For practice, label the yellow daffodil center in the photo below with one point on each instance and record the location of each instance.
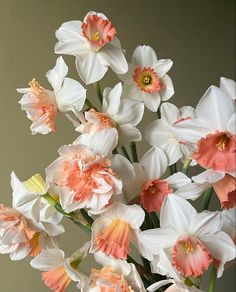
(222, 142)
(188, 247)
(147, 79)
(96, 37)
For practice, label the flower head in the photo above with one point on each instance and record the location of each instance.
(146, 78)
(94, 44)
(42, 105)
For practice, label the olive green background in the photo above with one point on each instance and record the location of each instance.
(197, 35)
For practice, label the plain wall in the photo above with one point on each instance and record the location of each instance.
(199, 36)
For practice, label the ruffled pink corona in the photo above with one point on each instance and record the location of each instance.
(147, 80)
(108, 281)
(44, 107)
(98, 31)
(226, 191)
(190, 256)
(217, 151)
(114, 240)
(56, 279)
(82, 182)
(153, 194)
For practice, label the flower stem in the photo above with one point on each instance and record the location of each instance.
(186, 166)
(88, 103)
(125, 153)
(99, 92)
(173, 168)
(86, 216)
(134, 151)
(212, 283)
(206, 199)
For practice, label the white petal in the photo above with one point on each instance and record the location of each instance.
(132, 91)
(91, 67)
(154, 163)
(176, 213)
(56, 75)
(152, 240)
(231, 125)
(128, 133)
(113, 99)
(192, 191)
(221, 247)
(144, 56)
(178, 180)
(167, 92)
(208, 176)
(130, 112)
(151, 100)
(48, 259)
(71, 97)
(19, 253)
(169, 113)
(112, 55)
(221, 105)
(162, 67)
(205, 223)
(128, 76)
(228, 85)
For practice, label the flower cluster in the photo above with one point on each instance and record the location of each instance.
(126, 203)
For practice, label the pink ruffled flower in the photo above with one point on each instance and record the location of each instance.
(83, 172)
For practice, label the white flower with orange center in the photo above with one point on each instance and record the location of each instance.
(122, 114)
(161, 133)
(83, 172)
(114, 230)
(94, 44)
(146, 78)
(116, 275)
(42, 105)
(213, 132)
(143, 182)
(58, 271)
(192, 240)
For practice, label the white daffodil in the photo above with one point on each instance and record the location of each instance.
(114, 230)
(116, 275)
(229, 222)
(212, 132)
(146, 78)
(83, 172)
(94, 44)
(192, 240)
(165, 268)
(28, 200)
(42, 105)
(58, 271)
(144, 181)
(160, 133)
(122, 114)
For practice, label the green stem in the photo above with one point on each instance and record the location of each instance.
(99, 92)
(89, 104)
(206, 199)
(173, 168)
(86, 216)
(186, 166)
(125, 153)
(134, 151)
(212, 283)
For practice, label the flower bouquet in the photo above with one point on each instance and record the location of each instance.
(145, 233)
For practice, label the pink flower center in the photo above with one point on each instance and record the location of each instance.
(190, 256)
(84, 181)
(56, 279)
(35, 245)
(217, 151)
(153, 194)
(98, 31)
(114, 239)
(102, 120)
(226, 191)
(108, 281)
(147, 80)
(45, 106)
